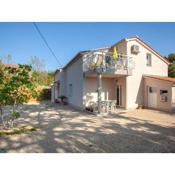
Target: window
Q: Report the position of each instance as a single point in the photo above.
(163, 92)
(70, 90)
(148, 59)
(163, 95)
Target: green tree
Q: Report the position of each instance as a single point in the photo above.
(38, 70)
(39, 74)
(171, 57)
(50, 76)
(171, 68)
(16, 87)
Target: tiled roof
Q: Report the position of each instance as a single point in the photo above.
(11, 65)
(162, 78)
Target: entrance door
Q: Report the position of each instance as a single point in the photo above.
(118, 95)
(152, 97)
(58, 90)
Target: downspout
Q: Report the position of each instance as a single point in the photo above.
(54, 92)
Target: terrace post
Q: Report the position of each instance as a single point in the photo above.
(99, 88)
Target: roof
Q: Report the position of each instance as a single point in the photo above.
(82, 53)
(76, 57)
(140, 41)
(57, 70)
(11, 65)
(170, 79)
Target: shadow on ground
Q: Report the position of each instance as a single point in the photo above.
(63, 129)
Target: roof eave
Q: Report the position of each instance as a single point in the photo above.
(150, 48)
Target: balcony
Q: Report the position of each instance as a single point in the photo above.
(104, 63)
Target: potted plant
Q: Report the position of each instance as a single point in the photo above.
(63, 99)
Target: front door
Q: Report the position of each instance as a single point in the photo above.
(58, 90)
(118, 95)
(152, 97)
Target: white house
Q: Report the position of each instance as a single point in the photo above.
(95, 81)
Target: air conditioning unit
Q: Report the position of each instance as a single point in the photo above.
(135, 49)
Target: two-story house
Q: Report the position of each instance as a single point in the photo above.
(138, 77)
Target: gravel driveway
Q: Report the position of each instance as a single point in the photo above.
(63, 129)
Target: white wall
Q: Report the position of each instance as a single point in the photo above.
(160, 85)
(108, 89)
(90, 90)
(74, 76)
(173, 99)
(135, 82)
(61, 77)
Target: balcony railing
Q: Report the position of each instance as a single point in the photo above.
(99, 62)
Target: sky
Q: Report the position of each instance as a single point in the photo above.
(22, 41)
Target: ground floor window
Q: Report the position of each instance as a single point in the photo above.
(163, 95)
(70, 90)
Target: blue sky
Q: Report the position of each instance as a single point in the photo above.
(22, 41)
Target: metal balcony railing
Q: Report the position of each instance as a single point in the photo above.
(104, 62)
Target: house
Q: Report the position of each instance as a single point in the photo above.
(96, 81)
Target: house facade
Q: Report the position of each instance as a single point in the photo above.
(137, 77)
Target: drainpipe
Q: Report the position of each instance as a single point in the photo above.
(99, 88)
(54, 90)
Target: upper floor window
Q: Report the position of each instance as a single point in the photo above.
(70, 90)
(148, 59)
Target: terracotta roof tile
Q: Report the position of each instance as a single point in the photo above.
(11, 65)
(162, 78)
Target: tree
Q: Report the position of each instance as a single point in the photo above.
(171, 57)
(38, 70)
(6, 59)
(16, 87)
(39, 74)
(37, 64)
(171, 68)
(50, 76)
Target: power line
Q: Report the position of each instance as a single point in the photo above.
(45, 41)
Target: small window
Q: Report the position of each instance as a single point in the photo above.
(148, 59)
(163, 92)
(70, 90)
(163, 95)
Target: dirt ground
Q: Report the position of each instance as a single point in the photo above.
(64, 129)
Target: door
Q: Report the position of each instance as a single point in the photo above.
(118, 95)
(152, 97)
(58, 90)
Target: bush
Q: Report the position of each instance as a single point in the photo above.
(16, 87)
(44, 94)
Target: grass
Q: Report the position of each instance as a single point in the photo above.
(19, 130)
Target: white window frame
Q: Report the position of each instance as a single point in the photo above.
(70, 90)
(148, 59)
